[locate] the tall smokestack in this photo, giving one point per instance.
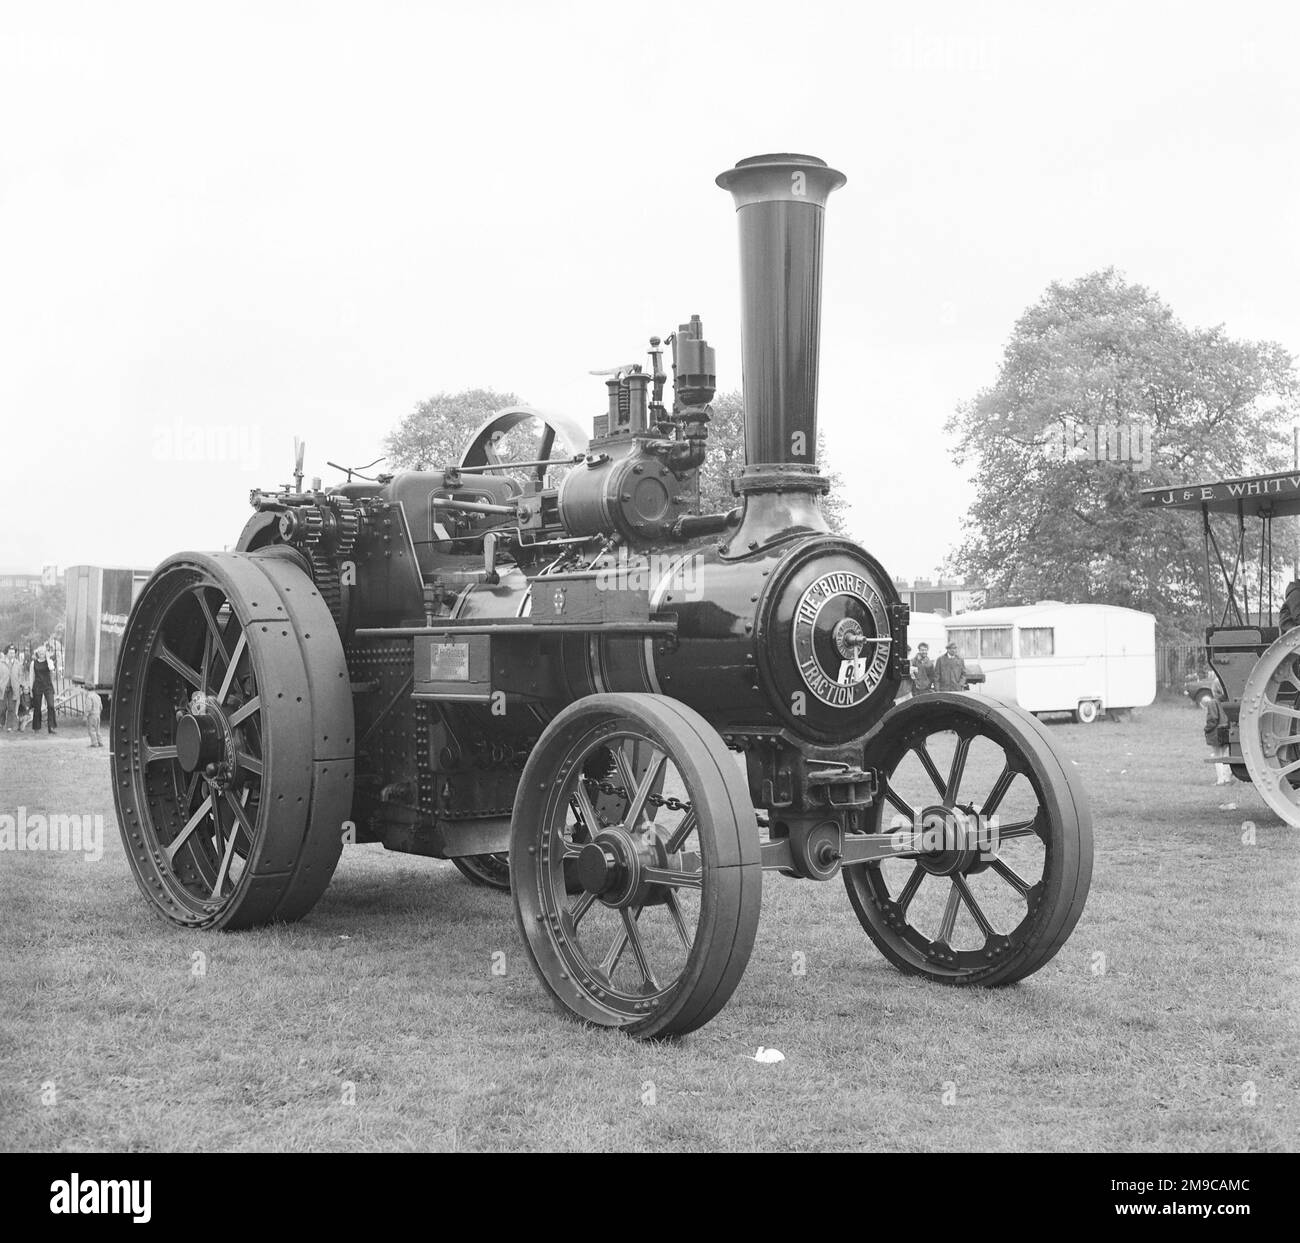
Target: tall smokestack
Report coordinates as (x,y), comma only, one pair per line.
(780,202)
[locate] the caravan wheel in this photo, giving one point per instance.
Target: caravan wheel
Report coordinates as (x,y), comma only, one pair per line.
(1087,711)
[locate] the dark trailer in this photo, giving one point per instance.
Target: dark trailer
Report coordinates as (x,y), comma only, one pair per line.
(1253,651)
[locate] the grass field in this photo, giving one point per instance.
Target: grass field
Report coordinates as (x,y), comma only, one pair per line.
(1167,1022)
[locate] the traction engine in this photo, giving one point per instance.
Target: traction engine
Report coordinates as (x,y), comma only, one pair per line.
(553,671)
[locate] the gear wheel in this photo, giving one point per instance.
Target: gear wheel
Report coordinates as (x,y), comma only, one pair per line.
(348,525)
(325,574)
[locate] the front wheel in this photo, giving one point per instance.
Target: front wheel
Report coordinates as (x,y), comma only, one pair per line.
(635,865)
(1003,842)
(490,871)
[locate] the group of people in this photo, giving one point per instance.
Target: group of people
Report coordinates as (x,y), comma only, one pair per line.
(948,673)
(27,686)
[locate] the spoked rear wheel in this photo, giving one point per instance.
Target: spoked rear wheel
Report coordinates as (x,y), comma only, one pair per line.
(1269,727)
(1003,838)
(635,865)
(232,740)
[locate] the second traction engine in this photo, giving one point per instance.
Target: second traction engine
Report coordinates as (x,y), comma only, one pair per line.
(554,671)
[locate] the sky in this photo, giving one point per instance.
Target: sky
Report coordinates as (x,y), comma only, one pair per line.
(224,225)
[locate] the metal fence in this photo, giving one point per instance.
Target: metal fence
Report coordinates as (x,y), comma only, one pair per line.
(1177,661)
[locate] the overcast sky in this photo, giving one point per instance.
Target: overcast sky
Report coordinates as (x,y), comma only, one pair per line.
(236,223)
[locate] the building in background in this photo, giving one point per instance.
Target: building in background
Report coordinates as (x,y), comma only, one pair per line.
(944,597)
(15,584)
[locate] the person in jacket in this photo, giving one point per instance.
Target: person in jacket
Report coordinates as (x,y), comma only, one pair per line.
(44,671)
(94,710)
(950,671)
(922,670)
(11,671)
(1216,738)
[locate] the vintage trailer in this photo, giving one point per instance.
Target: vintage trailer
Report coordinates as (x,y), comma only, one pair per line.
(1052,657)
(550,670)
(99,600)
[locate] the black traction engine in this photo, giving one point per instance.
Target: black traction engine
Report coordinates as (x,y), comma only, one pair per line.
(550,668)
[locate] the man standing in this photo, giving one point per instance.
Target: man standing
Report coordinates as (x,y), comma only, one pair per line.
(11,672)
(922,670)
(43,674)
(950,671)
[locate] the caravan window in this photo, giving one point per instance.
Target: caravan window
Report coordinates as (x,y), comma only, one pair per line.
(967,641)
(995,641)
(1037,641)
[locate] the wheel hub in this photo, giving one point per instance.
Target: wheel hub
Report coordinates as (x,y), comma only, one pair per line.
(950,843)
(199,741)
(610,867)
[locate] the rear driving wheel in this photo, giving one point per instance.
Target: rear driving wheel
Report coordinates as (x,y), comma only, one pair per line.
(232,732)
(635,865)
(1269,727)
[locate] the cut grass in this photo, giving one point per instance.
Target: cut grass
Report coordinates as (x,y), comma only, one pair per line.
(378,1023)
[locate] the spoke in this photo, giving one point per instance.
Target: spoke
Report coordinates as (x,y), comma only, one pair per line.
(1020,828)
(908,891)
(626,774)
(960,885)
(675,911)
(1011,876)
(677,839)
(955,773)
(188,672)
(949,919)
(225,861)
(652,772)
(1287,769)
(153,754)
(240,644)
(609,963)
(674,877)
(903,806)
(218,639)
(190,825)
(638,950)
(241,714)
(581,907)
(205,672)
(240,814)
(586,812)
(249,763)
(923,754)
(1276,709)
(999,791)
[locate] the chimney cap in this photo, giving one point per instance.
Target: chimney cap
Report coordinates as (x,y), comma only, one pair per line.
(781,176)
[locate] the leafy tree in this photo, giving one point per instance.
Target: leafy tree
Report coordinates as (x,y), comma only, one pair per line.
(31,615)
(1101,355)
(437,431)
(726,458)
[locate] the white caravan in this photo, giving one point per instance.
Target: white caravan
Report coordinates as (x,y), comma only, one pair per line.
(1053,657)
